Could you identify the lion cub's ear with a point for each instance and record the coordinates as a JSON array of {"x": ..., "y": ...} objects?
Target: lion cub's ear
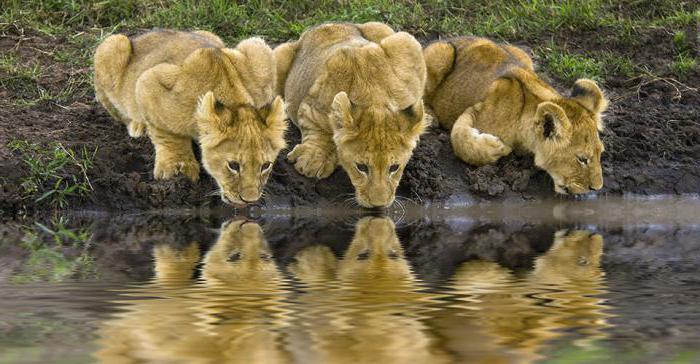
[
  {"x": 208, "y": 120},
  {"x": 416, "y": 118},
  {"x": 588, "y": 94},
  {"x": 276, "y": 122},
  {"x": 551, "y": 123},
  {"x": 407, "y": 60},
  {"x": 341, "y": 112}
]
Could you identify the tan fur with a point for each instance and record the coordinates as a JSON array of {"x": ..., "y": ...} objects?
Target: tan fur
[
  {"x": 490, "y": 97},
  {"x": 180, "y": 86},
  {"x": 355, "y": 92},
  {"x": 511, "y": 322}
]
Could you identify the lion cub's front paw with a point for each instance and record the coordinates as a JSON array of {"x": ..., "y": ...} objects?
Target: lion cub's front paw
[
  {"x": 169, "y": 169},
  {"x": 136, "y": 129},
  {"x": 313, "y": 161}
]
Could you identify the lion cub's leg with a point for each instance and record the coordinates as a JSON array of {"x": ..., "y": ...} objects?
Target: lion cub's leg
[
  {"x": 111, "y": 59},
  {"x": 316, "y": 155},
  {"x": 472, "y": 146},
  {"x": 173, "y": 155}
]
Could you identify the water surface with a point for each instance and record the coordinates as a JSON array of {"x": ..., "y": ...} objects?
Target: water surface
[{"x": 557, "y": 281}]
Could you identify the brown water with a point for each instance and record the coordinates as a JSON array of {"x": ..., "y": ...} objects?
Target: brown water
[{"x": 562, "y": 281}]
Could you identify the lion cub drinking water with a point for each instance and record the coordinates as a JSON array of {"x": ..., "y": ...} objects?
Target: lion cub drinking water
[
  {"x": 177, "y": 86},
  {"x": 355, "y": 92},
  {"x": 491, "y": 98}
]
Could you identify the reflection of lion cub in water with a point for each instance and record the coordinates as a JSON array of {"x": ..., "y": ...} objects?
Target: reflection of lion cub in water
[
  {"x": 240, "y": 258},
  {"x": 355, "y": 92},
  {"x": 235, "y": 315},
  {"x": 153, "y": 83},
  {"x": 365, "y": 307},
  {"x": 515, "y": 317},
  {"x": 491, "y": 98}
]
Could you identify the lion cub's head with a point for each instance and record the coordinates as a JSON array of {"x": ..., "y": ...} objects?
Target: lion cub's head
[
  {"x": 374, "y": 144},
  {"x": 240, "y": 256},
  {"x": 375, "y": 254},
  {"x": 378, "y": 122},
  {"x": 373, "y": 259},
  {"x": 567, "y": 144},
  {"x": 574, "y": 256},
  {"x": 241, "y": 124},
  {"x": 240, "y": 144}
]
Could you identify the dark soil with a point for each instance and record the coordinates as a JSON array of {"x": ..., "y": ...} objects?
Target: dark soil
[{"x": 652, "y": 142}]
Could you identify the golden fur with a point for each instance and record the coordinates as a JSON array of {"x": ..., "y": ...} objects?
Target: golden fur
[
  {"x": 179, "y": 86},
  {"x": 355, "y": 92},
  {"x": 490, "y": 97}
]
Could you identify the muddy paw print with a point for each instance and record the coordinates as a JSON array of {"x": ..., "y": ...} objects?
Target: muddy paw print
[{"x": 313, "y": 161}]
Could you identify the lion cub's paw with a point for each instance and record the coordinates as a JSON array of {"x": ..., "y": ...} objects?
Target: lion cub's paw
[
  {"x": 491, "y": 148},
  {"x": 169, "y": 169},
  {"x": 136, "y": 129},
  {"x": 313, "y": 161}
]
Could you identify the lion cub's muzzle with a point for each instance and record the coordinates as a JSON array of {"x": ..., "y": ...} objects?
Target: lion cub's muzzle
[{"x": 245, "y": 196}]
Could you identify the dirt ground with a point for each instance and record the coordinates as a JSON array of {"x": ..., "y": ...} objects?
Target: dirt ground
[{"x": 652, "y": 142}]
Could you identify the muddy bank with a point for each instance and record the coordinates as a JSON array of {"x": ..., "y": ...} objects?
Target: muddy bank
[{"x": 652, "y": 145}]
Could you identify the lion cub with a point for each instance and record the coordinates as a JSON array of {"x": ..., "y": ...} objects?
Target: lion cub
[
  {"x": 355, "y": 92},
  {"x": 491, "y": 98},
  {"x": 177, "y": 86}
]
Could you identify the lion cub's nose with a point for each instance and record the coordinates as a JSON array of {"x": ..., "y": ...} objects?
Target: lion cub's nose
[{"x": 249, "y": 195}]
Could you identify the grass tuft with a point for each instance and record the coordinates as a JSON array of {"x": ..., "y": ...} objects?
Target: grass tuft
[
  {"x": 570, "y": 67},
  {"x": 683, "y": 65},
  {"x": 55, "y": 172}
]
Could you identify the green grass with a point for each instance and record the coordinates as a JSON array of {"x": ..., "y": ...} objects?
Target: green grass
[
  {"x": 56, "y": 252},
  {"x": 79, "y": 25},
  {"x": 16, "y": 75},
  {"x": 281, "y": 20},
  {"x": 55, "y": 173},
  {"x": 684, "y": 65},
  {"x": 597, "y": 65}
]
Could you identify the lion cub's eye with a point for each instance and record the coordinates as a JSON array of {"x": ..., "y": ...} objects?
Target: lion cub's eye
[
  {"x": 362, "y": 168},
  {"x": 393, "y": 168},
  {"x": 234, "y": 257},
  {"x": 582, "y": 160},
  {"x": 265, "y": 166},
  {"x": 363, "y": 256},
  {"x": 234, "y": 167}
]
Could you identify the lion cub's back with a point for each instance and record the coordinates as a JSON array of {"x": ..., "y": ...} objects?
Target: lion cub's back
[
  {"x": 315, "y": 47},
  {"x": 169, "y": 46},
  {"x": 478, "y": 63}
]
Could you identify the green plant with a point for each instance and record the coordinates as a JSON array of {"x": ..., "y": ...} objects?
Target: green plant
[
  {"x": 570, "y": 67},
  {"x": 683, "y": 65},
  {"x": 56, "y": 252},
  {"x": 16, "y": 75},
  {"x": 55, "y": 172}
]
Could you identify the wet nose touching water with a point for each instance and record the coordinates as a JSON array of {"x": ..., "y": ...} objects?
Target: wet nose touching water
[{"x": 563, "y": 281}]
